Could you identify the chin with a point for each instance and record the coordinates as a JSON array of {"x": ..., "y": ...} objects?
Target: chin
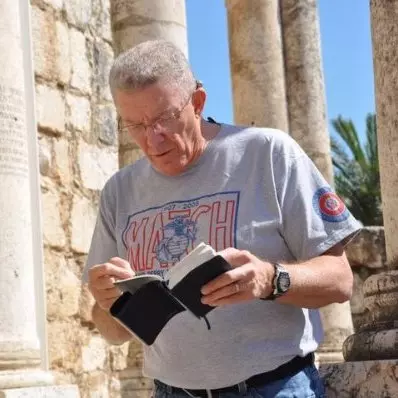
[{"x": 171, "y": 170}]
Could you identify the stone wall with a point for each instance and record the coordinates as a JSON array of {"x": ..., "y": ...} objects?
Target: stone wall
[{"x": 78, "y": 145}]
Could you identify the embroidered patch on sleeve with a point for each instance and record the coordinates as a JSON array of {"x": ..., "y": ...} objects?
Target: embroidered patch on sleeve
[{"x": 329, "y": 206}]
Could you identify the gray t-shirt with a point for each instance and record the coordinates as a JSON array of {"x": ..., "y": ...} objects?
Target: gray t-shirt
[{"x": 252, "y": 189}]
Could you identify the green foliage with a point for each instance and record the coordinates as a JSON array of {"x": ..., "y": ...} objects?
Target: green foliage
[{"x": 357, "y": 177}]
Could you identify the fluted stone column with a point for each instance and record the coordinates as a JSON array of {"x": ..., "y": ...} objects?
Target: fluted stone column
[
  {"x": 20, "y": 360},
  {"x": 379, "y": 338},
  {"x": 135, "y": 21},
  {"x": 256, "y": 59},
  {"x": 308, "y": 126},
  {"x": 372, "y": 353}
]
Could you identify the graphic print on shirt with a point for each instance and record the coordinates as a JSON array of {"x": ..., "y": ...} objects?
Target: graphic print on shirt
[
  {"x": 158, "y": 237},
  {"x": 329, "y": 206}
]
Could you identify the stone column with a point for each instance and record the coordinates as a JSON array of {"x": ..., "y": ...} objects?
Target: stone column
[
  {"x": 380, "y": 335},
  {"x": 372, "y": 352},
  {"x": 20, "y": 373},
  {"x": 256, "y": 59},
  {"x": 135, "y": 21},
  {"x": 308, "y": 126}
]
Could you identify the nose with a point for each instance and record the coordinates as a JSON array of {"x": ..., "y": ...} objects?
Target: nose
[{"x": 154, "y": 136}]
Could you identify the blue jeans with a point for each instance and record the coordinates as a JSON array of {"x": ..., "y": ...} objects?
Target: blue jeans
[{"x": 305, "y": 384}]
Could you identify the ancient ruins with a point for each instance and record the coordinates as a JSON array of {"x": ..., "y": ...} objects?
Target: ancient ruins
[{"x": 56, "y": 56}]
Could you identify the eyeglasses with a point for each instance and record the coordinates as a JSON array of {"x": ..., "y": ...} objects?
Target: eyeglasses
[{"x": 162, "y": 124}]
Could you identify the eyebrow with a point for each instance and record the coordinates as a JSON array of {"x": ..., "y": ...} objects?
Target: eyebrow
[{"x": 153, "y": 119}]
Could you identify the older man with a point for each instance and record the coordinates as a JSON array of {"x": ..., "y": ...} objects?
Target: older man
[{"x": 252, "y": 194}]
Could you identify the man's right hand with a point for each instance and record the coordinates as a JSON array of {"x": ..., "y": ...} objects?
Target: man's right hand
[{"x": 101, "y": 278}]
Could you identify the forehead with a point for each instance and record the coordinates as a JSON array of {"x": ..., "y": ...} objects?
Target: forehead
[{"x": 148, "y": 102}]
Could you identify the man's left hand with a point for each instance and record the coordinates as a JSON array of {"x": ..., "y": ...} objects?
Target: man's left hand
[{"x": 250, "y": 278}]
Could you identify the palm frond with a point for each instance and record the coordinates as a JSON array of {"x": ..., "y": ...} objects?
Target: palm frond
[
  {"x": 348, "y": 133},
  {"x": 357, "y": 176}
]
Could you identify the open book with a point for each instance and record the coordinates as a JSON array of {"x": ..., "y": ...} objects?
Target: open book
[{"x": 148, "y": 301}]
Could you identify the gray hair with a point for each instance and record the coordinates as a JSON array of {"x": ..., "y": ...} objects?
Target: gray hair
[{"x": 150, "y": 62}]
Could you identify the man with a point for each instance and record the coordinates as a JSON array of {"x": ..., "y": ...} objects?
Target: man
[{"x": 252, "y": 194}]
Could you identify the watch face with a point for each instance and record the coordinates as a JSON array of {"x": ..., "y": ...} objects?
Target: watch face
[{"x": 284, "y": 281}]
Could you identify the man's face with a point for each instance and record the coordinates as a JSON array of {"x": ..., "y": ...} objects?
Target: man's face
[{"x": 164, "y": 125}]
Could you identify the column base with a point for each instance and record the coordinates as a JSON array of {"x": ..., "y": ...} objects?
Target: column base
[
  {"x": 362, "y": 379},
  {"x": 42, "y": 392},
  {"x": 372, "y": 345},
  {"x": 33, "y": 383}
]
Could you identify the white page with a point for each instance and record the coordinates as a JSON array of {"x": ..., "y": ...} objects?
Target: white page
[
  {"x": 133, "y": 284},
  {"x": 196, "y": 257}
]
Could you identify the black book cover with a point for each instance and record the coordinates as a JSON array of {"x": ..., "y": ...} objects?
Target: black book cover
[{"x": 148, "y": 303}]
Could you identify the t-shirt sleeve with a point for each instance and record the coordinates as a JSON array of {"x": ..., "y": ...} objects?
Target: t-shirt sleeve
[
  {"x": 314, "y": 218},
  {"x": 103, "y": 243}
]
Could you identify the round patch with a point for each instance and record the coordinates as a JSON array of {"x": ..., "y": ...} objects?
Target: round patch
[{"x": 329, "y": 206}]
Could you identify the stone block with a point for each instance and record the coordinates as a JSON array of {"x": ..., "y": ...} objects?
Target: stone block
[
  {"x": 45, "y": 158},
  {"x": 114, "y": 387},
  {"x": 86, "y": 304},
  {"x": 57, "y": 4},
  {"x": 53, "y": 231},
  {"x": 134, "y": 380},
  {"x": 134, "y": 359},
  {"x": 105, "y": 124},
  {"x": 78, "y": 13},
  {"x": 368, "y": 248},
  {"x": 42, "y": 392},
  {"x": 50, "y": 107},
  {"x": 118, "y": 356},
  {"x": 94, "y": 354},
  {"x": 81, "y": 70},
  {"x": 135, "y": 386},
  {"x": 82, "y": 221},
  {"x": 102, "y": 16},
  {"x": 78, "y": 112},
  {"x": 97, "y": 165},
  {"x": 102, "y": 64},
  {"x": 63, "y": 288},
  {"x": 129, "y": 156},
  {"x": 63, "y": 166},
  {"x": 368, "y": 379},
  {"x": 63, "y": 53},
  {"x": 44, "y": 43},
  {"x": 95, "y": 385},
  {"x": 65, "y": 341}
]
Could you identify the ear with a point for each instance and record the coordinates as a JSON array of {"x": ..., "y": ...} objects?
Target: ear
[{"x": 198, "y": 100}]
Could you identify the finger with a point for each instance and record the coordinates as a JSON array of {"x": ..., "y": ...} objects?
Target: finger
[
  {"x": 109, "y": 269},
  {"x": 223, "y": 280},
  {"x": 233, "y": 299},
  {"x": 106, "y": 304},
  {"x": 120, "y": 262},
  {"x": 226, "y": 291},
  {"x": 104, "y": 282},
  {"x": 107, "y": 294}
]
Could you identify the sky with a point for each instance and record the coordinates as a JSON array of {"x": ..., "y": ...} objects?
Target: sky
[{"x": 346, "y": 56}]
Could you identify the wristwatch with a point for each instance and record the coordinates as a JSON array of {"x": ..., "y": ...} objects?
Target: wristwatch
[{"x": 280, "y": 283}]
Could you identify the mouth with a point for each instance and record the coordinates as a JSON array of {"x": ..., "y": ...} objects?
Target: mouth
[{"x": 160, "y": 155}]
